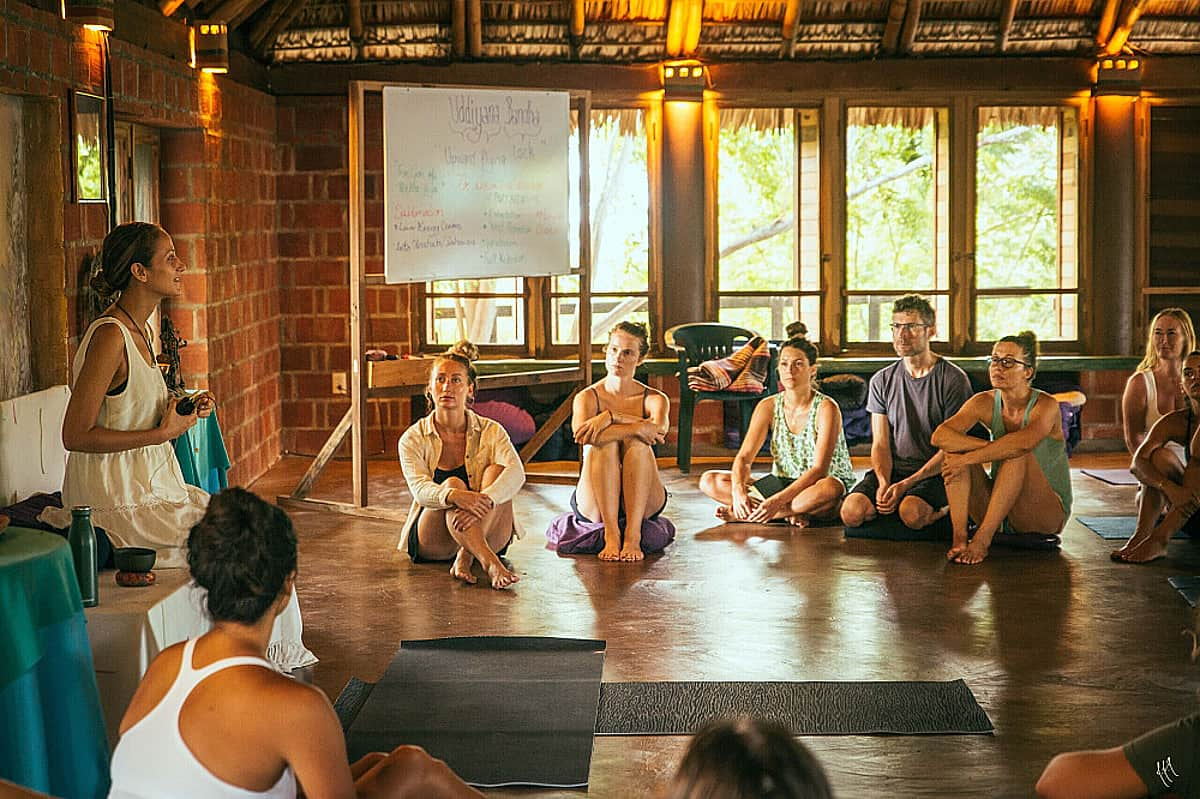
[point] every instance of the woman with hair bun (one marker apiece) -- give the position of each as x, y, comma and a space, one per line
617, 421
811, 472
463, 472
212, 718
121, 419
1029, 488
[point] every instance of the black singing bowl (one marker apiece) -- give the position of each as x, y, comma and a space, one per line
134, 559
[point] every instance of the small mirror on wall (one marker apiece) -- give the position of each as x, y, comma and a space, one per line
87, 120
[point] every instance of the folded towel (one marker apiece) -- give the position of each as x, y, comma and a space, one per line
744, 370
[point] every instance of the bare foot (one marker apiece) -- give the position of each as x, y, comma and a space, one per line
612, 547
461, 570
725, 513
632, 553
501, 576
973, 553
1142, 552
799, 521
956, 548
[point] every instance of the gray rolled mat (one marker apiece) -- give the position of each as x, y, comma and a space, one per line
1187, 586
806, 708
499, 710
1117, 528
1114, 477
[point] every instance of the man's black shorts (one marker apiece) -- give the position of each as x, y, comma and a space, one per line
932, 490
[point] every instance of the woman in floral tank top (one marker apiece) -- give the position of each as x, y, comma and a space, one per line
812, 471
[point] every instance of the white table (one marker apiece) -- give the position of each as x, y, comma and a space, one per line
130, 626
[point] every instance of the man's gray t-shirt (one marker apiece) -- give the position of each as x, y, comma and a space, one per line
915, 406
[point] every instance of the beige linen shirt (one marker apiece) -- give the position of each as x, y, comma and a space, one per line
487, 443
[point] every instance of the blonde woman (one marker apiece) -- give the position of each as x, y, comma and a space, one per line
463, 472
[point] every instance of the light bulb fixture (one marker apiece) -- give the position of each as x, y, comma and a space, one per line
1118, 75
683, 80
96, 15
210, 46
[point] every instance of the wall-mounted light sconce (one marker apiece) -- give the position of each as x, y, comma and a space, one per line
683, 80
96, 15
1118, 75
210, 45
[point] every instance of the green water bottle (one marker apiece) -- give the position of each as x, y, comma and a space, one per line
82, 538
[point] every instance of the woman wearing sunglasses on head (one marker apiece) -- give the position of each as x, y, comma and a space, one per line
1029, 487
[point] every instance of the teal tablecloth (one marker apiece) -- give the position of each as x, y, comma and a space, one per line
202, 456
51, 727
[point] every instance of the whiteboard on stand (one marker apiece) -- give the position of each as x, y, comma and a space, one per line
475, 183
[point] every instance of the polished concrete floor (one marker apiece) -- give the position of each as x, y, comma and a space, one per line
1063, 650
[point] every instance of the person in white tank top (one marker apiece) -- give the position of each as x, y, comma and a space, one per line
211, 718
1155, 390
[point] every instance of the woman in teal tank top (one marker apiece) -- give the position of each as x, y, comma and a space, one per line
1029, 487
812, 464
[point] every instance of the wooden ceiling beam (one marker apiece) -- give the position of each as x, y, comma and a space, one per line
1007, 14
895, 20
267, 31
354, 21
226, 10
250, 10
908, 31
791, 18
1131, 11
169, 7
1108, 18
475, 28
458, 28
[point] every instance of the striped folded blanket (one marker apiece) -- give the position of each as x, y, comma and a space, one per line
744, 370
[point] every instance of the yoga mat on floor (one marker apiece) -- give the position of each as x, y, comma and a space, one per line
353, 696
806, 708
1117, 528
890, 528
1188, 587
1114, 477
499, 710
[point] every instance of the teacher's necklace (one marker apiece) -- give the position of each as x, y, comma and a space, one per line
140, 331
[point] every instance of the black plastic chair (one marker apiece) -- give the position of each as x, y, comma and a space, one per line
704, 341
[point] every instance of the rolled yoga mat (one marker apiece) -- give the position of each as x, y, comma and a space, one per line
1188, 587
1117, 528
806, 708
890, 528
1114, 477
500, 711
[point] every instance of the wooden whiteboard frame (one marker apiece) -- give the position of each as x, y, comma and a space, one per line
355, 418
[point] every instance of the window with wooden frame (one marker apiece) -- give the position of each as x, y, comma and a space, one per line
501, 314
897, 216
768, 219
136, 172
1172, 249
1026, 248
618, 170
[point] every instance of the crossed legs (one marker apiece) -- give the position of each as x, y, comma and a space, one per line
479, 539
614, 475
1020, 494
819, 502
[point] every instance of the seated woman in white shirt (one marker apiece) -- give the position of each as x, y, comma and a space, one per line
212, 718
463, 472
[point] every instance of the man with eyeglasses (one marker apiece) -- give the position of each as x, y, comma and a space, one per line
1164, 487
907, 401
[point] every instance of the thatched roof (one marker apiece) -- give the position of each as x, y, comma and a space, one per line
637, 31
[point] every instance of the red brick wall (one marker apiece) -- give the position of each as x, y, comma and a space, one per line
313, 192
217, 190
1101, 416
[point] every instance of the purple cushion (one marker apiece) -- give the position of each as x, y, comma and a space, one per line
516, 421
570, 536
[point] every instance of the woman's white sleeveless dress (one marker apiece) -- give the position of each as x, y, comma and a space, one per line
139, 495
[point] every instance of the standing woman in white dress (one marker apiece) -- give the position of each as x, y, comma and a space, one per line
121, 419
